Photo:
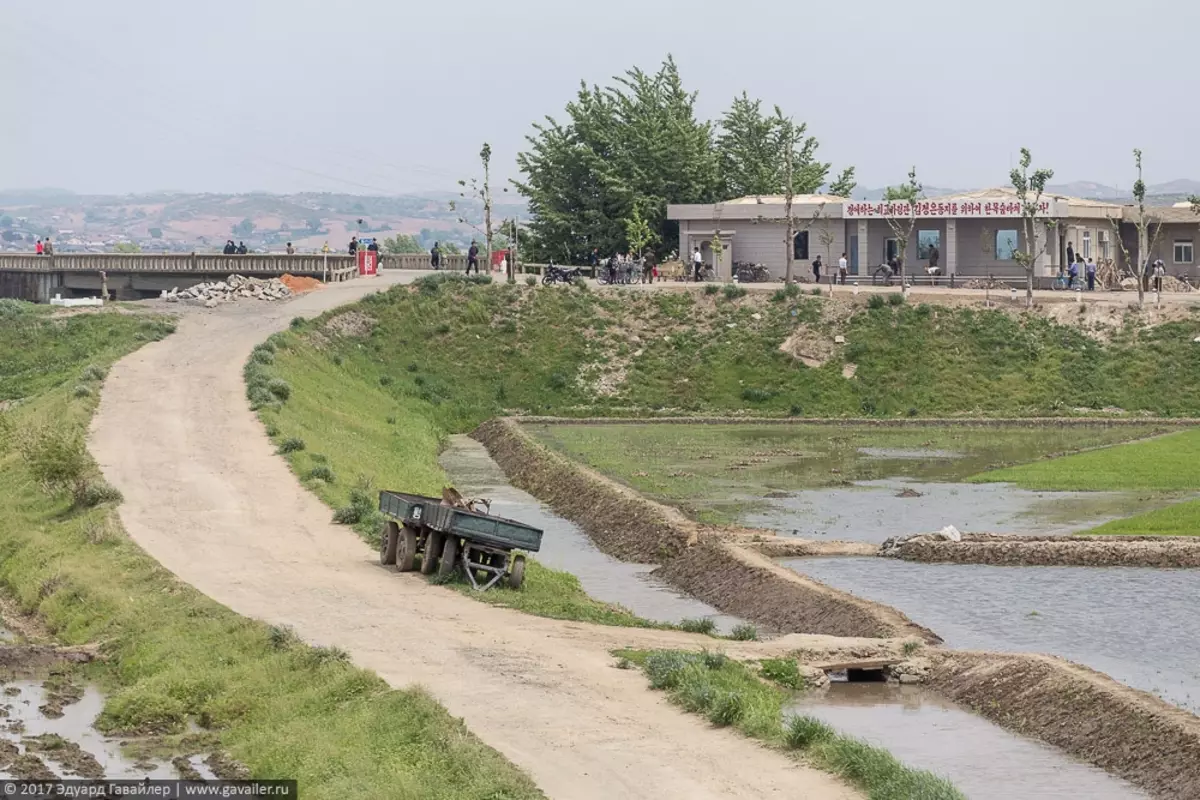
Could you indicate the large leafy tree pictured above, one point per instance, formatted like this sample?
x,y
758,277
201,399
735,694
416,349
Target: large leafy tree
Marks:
x,y
632,147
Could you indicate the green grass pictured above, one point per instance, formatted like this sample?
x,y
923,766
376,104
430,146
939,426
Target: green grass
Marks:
x,y
1167,464
700,467
728,694
283,708
356,428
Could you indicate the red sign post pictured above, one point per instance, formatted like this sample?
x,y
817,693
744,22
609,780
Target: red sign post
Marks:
x,y
368,263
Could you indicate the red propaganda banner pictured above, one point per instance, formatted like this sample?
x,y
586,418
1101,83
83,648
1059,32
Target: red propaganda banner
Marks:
x,y
368,263
943,208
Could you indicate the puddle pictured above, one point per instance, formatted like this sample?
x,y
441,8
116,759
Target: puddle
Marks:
x,y
983,760
871,511
901,453
566,547
24,698
1134,624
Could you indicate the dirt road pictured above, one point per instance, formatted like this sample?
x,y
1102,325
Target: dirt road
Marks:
x,y
206,496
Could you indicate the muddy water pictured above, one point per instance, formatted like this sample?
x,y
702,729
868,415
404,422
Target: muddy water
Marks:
x,y
24,719
566,547
983,760
871,511
1136,625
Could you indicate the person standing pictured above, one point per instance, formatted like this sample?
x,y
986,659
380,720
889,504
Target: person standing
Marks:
x,y
37,248
435,256
1091,275
816,268
353,245
241,251
1073,273
230,247
1070,254
291,251
473,258
48,249
1160,272
697,265
843,269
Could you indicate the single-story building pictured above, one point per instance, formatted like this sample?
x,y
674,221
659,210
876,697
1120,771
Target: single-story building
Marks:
x,y
974,234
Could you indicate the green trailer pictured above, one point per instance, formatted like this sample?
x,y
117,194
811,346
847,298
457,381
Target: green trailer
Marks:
x,y
447,538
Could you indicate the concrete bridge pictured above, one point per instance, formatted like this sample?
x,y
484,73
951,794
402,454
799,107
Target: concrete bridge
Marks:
x,y
132,276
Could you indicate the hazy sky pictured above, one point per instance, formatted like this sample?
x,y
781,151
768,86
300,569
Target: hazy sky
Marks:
x,y
237,95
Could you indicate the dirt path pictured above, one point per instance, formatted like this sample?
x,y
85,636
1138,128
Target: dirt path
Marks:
x,y
206,496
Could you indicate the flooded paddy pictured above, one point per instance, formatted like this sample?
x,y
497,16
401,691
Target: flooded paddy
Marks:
x,y
566,547
42,738
851,482
1136,625
983,760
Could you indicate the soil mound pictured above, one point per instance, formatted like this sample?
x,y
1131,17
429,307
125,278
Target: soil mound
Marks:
x,y
1129,733
299,285
1046,551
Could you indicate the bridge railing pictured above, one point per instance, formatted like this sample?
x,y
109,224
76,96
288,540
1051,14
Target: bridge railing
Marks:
x,y
207,263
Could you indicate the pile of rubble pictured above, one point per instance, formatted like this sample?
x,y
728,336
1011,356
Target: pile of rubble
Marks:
x,y
235,287
1169,284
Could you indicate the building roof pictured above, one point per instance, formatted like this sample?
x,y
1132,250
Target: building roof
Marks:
x,y
778,199
1178,213
1009,193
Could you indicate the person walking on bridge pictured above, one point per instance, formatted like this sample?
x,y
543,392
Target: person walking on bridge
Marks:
x,y
435,256
473,258
37,248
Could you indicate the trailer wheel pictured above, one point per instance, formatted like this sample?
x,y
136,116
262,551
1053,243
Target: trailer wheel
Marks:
x,y
406,550
449,560
516,575
433,548
387,543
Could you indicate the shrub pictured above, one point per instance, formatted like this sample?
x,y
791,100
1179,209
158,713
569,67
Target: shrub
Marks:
x,y
744,633
702,625
292,444
711,288
802,732
57,458
911,646
413,367
756,395
896,299
268,346
259,396
876,301
271,429
281,637
297,322
337,359
261,356
391,420
321,472
664,668
558,381
442,328
91,493
530,281
93,372
280,388
361,509
816,292
732,291
83,390
141,712
796,411
10,307
580,283
726,708
783,671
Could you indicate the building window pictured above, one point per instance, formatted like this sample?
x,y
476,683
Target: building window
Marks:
x,y
1006,245
1183,251
800,246
927,243
1087,244
1104,251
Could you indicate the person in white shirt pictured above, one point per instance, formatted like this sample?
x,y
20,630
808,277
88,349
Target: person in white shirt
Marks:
x,y
843,268
697,265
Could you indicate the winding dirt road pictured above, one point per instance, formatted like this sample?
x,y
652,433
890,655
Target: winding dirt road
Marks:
x,y
207,497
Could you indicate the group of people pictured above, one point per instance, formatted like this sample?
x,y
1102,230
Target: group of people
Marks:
x,y
622,266
435,257
232,249
43,247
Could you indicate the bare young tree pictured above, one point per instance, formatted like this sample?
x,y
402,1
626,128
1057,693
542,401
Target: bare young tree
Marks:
x,y
482,191
903,198
1030,188
1149,228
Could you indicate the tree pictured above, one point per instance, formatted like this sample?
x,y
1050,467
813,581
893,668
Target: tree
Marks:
x,y
901,210
401,243
1030,188
6,222
636,141
450,248
127,247
314,224
244,228
482,190
1146,241
638,234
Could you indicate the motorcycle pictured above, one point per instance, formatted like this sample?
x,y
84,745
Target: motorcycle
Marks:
x,y
554,274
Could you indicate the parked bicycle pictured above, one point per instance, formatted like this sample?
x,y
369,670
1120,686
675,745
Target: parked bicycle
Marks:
x,y
747,272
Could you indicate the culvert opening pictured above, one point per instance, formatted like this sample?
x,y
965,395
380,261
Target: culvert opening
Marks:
x,y
865,676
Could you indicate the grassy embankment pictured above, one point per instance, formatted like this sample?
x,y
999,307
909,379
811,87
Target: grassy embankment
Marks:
x,y
1164,464
730,694
281,707
441,359
699,467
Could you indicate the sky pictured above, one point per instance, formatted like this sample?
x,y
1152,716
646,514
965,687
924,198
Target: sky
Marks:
x,y
386,97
